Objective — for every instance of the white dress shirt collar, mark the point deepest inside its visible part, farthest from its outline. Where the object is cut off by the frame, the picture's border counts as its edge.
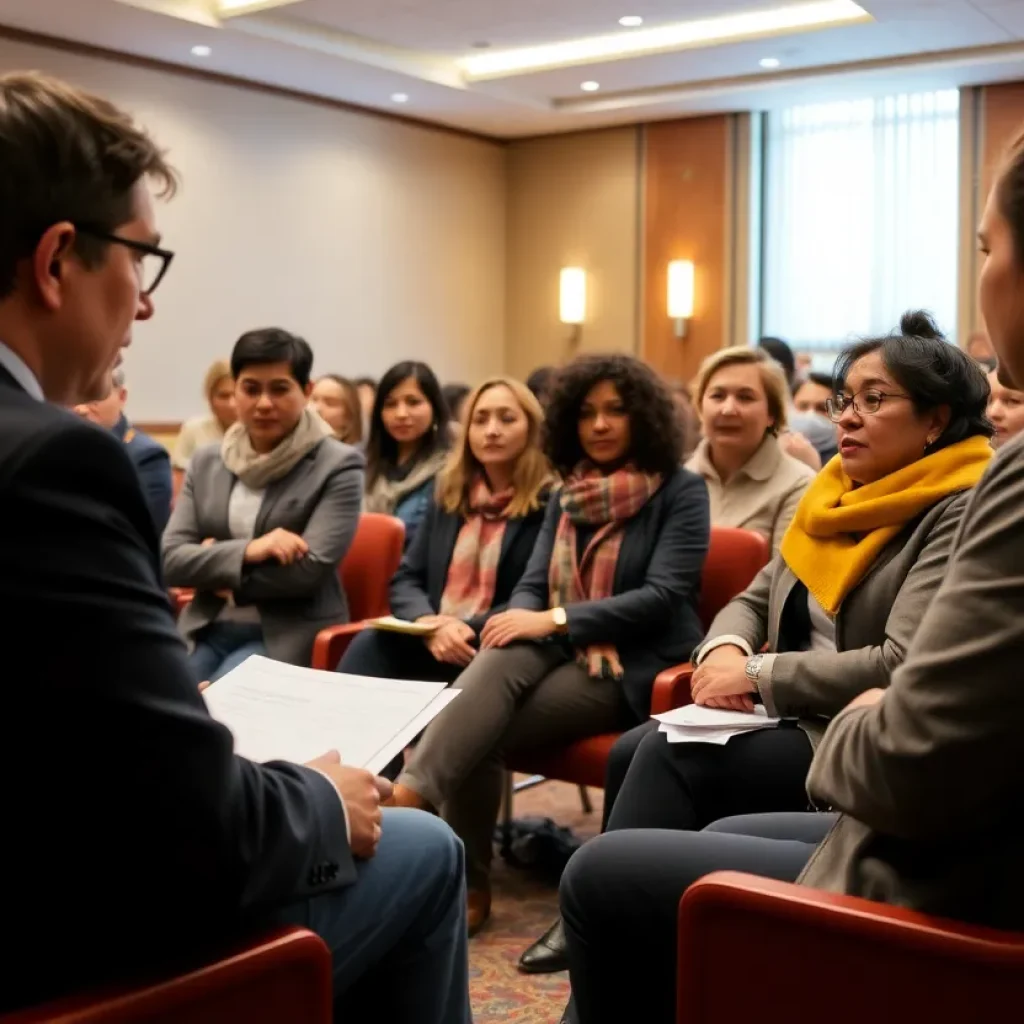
(16, 367)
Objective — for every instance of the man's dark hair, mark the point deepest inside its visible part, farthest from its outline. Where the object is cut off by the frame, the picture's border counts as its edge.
(783, 355)
(540, 381)
(656, 437)
(823, 380)
(454, 395)
(933, 372)
(273, 345)
(66, 155)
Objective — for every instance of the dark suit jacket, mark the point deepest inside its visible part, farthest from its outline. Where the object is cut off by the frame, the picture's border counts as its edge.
(417, 587)
(652, 618)
(131, 830)
(152, 462)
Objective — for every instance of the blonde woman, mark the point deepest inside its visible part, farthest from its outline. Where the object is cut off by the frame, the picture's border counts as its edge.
(473, 545)
(753, 484)
(219, 389)
(336, 399)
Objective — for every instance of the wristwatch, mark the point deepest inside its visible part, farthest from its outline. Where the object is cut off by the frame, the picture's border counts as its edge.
(753, 670)
(560, 619)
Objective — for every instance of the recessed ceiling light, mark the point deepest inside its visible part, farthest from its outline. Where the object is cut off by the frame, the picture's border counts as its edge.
(631, 21)
(590, 86)
(201, 51)
(769, 62)
(399, 97)
(805, 16)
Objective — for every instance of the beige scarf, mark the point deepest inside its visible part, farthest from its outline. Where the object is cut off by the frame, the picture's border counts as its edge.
(258, 469)
(385, 495)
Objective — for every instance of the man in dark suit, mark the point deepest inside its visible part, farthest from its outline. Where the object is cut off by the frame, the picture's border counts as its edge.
(134, 837)
(150, 458)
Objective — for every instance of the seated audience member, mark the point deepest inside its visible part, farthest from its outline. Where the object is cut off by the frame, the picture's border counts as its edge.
(1005, 411)
(811, 419)
(455, 396)
(263, 521)
(473, 545)
(407, 446)
(366, 388)
(689, 421)
(923, 787)
(186, 848)
(149, 457)
(837, 608)
(337, 401)
(752, 482)
(219, 389)
(609, 600)
(540, 382)
(980, 348)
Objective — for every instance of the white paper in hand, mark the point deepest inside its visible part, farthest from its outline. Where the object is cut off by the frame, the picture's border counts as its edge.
(281, 712)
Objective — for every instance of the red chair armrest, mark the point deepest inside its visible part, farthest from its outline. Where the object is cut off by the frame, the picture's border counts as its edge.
(672, 689)
(180, 596)
(284, 976)
(814, 949)
(331, 643)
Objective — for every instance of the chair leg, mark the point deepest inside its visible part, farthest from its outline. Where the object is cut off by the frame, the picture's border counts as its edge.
(588, 807)
(506, 814)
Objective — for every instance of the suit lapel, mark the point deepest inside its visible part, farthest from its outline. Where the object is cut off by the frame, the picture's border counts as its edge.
(290, 482)
(220, 497)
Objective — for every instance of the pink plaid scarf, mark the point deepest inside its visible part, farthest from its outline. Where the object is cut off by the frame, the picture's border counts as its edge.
(473, 572)
(589, 497)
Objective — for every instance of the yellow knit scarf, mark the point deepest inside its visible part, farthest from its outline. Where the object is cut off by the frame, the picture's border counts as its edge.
(839, 530)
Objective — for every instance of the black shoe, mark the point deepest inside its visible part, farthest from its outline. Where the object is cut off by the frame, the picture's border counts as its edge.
(548, 954)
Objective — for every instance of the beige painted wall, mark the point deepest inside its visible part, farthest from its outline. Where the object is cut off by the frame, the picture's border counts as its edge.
(573, 200)
(375, 240)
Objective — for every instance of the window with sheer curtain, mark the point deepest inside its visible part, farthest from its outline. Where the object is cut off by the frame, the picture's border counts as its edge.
(860, 217)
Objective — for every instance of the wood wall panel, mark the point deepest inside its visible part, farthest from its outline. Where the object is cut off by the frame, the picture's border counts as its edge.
(1002, 121)
(687, 211)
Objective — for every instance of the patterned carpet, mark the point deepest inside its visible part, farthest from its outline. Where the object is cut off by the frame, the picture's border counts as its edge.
(524, 907)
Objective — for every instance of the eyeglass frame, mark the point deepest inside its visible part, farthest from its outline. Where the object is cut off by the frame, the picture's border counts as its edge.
(166, 255)
(852, 400)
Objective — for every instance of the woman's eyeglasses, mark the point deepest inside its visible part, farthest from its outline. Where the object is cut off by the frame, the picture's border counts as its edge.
(865, 403)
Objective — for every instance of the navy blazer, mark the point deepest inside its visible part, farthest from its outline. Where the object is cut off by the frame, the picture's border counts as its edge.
(652, 616)
(124, 781)
(417, 587)
(152, 462)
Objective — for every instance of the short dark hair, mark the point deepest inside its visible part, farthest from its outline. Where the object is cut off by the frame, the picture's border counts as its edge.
(381, 447)
(273, 345)
(540, 381)
(66, 155)
(932, 371)
(454, 395)
(782, 354)
(657, 439)
(823, 380)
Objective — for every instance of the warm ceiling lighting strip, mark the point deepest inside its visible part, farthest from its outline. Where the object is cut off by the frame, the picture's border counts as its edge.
(727, 28)
(235, 8)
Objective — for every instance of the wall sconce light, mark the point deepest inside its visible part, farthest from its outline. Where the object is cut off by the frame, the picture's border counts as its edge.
(572, 299)
(680, 294)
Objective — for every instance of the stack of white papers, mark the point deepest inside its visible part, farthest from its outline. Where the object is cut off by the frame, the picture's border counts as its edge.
(695, 724)
(279, 712)
(390, 624)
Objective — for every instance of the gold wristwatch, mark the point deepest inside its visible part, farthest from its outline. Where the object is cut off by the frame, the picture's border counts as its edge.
(560, 619)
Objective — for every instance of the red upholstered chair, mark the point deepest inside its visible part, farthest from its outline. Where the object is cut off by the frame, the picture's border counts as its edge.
(849, 960)
(284, 978)
(734, 558)
(366, 575)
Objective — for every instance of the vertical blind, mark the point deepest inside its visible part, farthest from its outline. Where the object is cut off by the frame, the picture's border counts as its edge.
(860, 217)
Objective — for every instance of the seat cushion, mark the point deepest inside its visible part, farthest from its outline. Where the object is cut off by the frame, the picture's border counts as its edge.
(582, 762)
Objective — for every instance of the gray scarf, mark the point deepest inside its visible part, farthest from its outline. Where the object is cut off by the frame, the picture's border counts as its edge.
(385, 495)
(255, 469)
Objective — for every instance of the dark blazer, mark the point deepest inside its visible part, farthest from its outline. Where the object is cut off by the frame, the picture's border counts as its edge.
(652, 618)
(127, 817)
(417, 587)
(152, 462)
(320, 499)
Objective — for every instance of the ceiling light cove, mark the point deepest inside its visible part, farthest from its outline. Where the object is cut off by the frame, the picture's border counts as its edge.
(590, 86)
(726, 28)
(235, 8)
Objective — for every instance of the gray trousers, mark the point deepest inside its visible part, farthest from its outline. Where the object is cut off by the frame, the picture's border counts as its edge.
(526, 695)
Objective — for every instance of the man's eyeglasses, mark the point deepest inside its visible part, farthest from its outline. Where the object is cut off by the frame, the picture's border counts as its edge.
(152, 261)
(865, 403)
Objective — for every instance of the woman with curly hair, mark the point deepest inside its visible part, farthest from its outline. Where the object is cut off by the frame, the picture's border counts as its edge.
(608, 600)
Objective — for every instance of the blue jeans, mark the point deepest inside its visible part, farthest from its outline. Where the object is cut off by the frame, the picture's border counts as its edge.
(222, 646)
(398, 933)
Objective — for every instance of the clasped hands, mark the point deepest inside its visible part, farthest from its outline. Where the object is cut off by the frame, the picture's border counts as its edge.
(280, 544)
(720, 680)
(451, 641)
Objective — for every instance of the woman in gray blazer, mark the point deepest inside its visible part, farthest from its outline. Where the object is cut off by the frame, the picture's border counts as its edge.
(264, 518)
(867, 550)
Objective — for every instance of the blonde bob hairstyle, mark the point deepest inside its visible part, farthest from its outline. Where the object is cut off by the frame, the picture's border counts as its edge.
(214, 375)
(773, 379)
(532, 475)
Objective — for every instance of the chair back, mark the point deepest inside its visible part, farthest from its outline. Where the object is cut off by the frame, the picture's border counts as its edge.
(372, 560)
(734, 558)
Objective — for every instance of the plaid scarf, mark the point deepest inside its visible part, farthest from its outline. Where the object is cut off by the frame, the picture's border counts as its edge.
(473, 572)
(590, 498)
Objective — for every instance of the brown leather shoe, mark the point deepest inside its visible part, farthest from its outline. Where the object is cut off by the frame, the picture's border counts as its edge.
(403, 796)
(478, 909)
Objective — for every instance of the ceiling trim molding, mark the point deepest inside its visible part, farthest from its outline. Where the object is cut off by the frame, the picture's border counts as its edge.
(18, 35)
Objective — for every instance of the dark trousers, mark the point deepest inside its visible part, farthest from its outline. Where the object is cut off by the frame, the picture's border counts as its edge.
(620, 900)
(619, 759)
(687, 786)
(383, 655)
